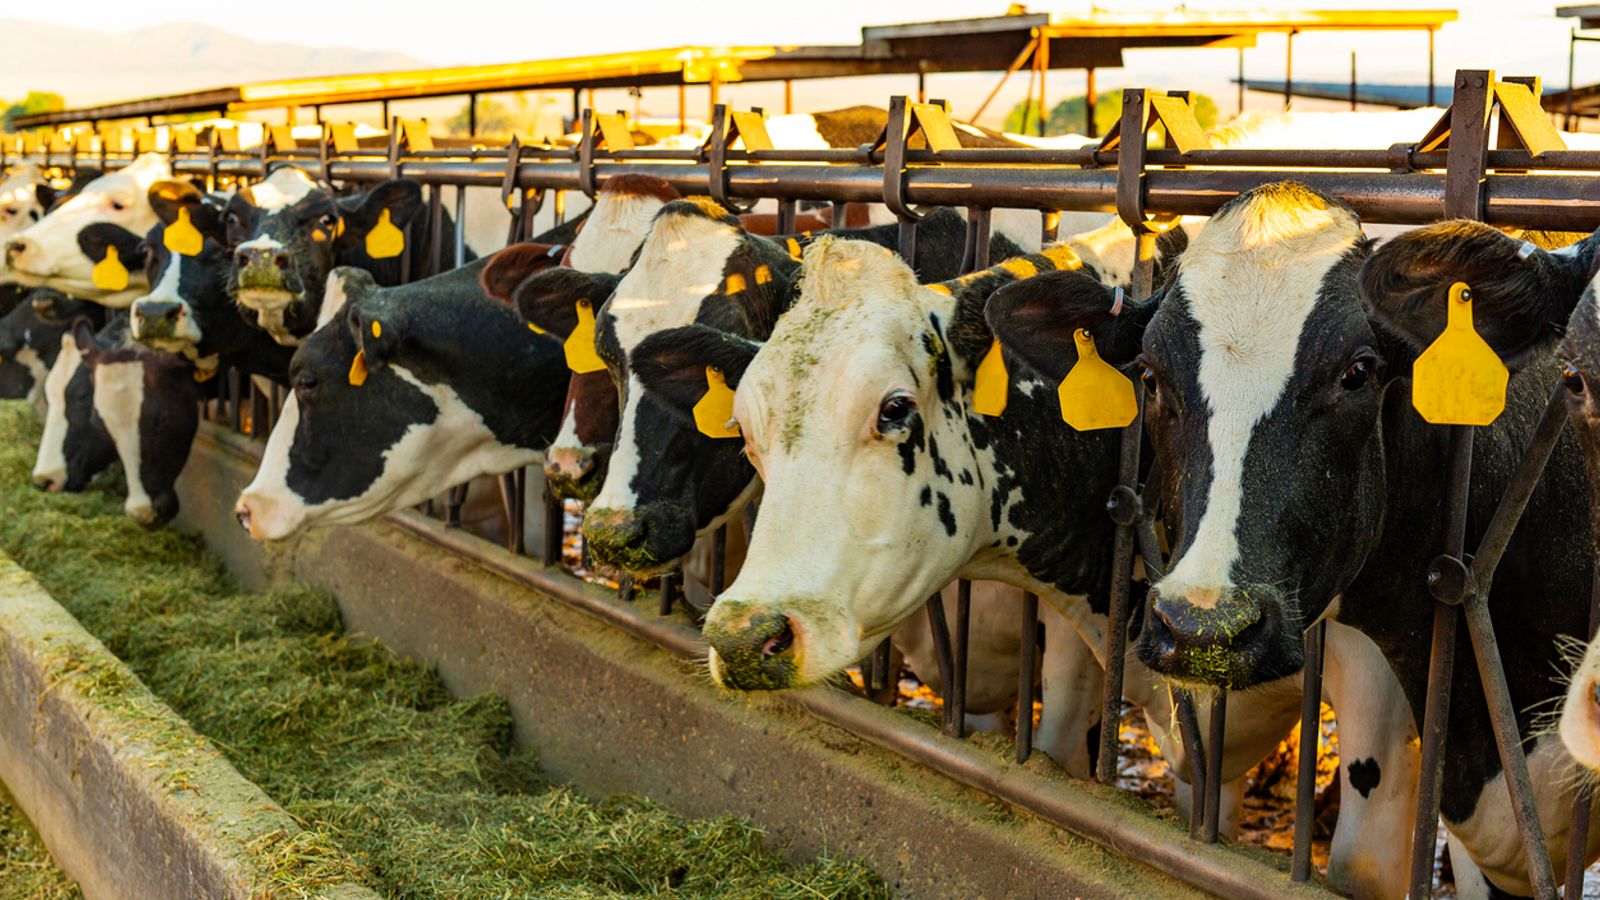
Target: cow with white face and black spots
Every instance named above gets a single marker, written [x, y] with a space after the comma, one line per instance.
[400, 394]
[48, 253]
[287, 234]
[1300, 484]
[25, 194]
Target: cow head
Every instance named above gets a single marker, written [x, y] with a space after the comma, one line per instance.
[400, 394]
[28, 348]
[287, 234]
[25, 194]
[1264, 381]
[623, 210]
[75, 446]
[188, 311]
[880, 483]
[49, 252]
[666, 482]
[575, 464]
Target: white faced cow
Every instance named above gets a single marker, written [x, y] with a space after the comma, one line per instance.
[25, 194]
[1302, 485]
[48, 253]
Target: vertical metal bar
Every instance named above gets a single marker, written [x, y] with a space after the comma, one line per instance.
[1241, 82]
[669, 589]
[1088, 105]
[454, 499]
[1441, 668]
[908, 241]
[1288, 70]
[956, 693]
[625, 588]
[1352, 81]
[788, 96]
[1026, 664]
[1431, 101]
[1572, 62]
[1044, 72]
[508, 504]
[922, 86]
[786, 217]
[714, 86]
[1305, 799]
[1213, 786]
[554, 526]
[1194, 748]
[719, 560]
[460, 240]
[683, 109]
[472, 116]
[941, 651]
[577, 107]
[882, 677]
[431, 265]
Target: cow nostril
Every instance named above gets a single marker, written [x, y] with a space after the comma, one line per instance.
[778, 643]
[243, 514]
[14, 248]
[172, 314]
[282, 260]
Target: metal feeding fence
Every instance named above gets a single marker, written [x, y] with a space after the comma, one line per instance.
[1450, 172]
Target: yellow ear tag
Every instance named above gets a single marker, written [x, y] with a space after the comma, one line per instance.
[377, 329]
[181, 237]
[579, 345]
[1095, 395]
[713, 415]
[385, 241]
[358, 369]
[989, 390]
[110, 274]
[535, 329]
[1459, 380]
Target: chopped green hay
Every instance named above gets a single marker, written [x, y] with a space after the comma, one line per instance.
[399, 785]
[25, 866]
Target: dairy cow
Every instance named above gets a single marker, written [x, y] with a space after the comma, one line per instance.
[1302, 485]
[28, 348]
[287, 233]
[399, 394]
[48, 253]
[24, 196]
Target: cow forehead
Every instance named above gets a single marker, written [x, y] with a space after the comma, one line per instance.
[680, 263]
[286, 186]
[613, 231]
[132, 181]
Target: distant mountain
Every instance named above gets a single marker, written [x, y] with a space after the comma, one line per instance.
[88, 67]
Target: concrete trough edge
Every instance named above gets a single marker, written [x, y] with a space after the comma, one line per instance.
[1100, 814]
[127, 797]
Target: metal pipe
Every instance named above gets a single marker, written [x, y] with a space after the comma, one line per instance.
[1088, 103]
[940, 627]
[1430, 69]
[788, 96]
[956, 691]
[669, 585]
[1016, 64]
[1044, 72]
[1352, 81]
[1213, 786]
[1508, 513]
[1194, 749]
[1240, 109]
[1026, 664]
[1305, 800]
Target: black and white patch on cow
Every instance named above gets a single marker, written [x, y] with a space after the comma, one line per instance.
[450, 385]
[28, 348]
[47, 254]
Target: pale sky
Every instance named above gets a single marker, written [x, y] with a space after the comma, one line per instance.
[1513, 36]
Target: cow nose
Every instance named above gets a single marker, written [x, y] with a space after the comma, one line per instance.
[756, 655]
[1217, 637]
[156, 315]
[262, 257]
[570, 462]
[15, 248]
[50, 483]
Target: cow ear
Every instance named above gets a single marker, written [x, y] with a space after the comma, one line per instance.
[94, 239]
[511, 266]
[167, 197]
[402, 197]
[379, 329]
[681, 366]
[1522, 295]
[83, 335]
[1035, 320]
[44, 194]
[548, 300]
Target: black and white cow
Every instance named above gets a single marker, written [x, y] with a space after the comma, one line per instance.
[189, 311]
[287, 234]
[1302, 485]
[28, 348]
[399, 394]
[48, 253]
[25, 194]
[666, 483]
[109, 398]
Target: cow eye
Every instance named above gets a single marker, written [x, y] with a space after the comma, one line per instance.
[232, 218]
[1573, 379]
[11, 210]
[117, 205]
[328, 220]
[1357, 374]
[1147, 377]
[895, 412]
[305, 387]
[33, 214]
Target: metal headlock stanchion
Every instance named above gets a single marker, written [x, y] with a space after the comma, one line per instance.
[1452, 172]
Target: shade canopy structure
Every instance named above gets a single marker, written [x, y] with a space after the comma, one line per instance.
[992, 43]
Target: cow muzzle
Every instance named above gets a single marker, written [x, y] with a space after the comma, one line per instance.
[574, 473]
[756, 652]
[265, 518]
[1231, 637]
[161, 320]
[22, 254]
[644, 541]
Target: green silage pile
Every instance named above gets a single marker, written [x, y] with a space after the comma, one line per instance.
[425, 794]
[25, 866]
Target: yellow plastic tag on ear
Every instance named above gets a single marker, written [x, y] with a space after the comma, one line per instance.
[535, 329]
[713, 415]
[579, 345]
[1094, 394]
[993, 383]
[1459, 380]
[181, 237]
[358, 369]
[385, 241]
[110, 274]
[377, 329]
